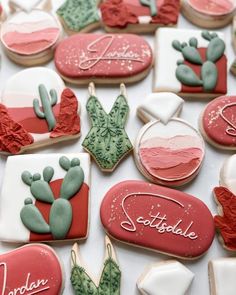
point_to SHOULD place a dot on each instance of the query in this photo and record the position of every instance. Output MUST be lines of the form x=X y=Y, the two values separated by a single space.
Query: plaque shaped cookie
x=107 y=58
x=49 y=198
x=190 y=63
x=40 y=271
x=138 y=16
x=168 y=150
x=36 y=110
x=157 y=218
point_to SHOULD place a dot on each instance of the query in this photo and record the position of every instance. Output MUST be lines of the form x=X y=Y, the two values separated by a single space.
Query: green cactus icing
x=47 y=104
x=209 y=75
x=60 y=217
x=233 y=68
x=151 y=4
x=78 y=14
x=187 y=76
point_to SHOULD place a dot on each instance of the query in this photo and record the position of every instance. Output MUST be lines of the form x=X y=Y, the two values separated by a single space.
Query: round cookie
x=29 y=38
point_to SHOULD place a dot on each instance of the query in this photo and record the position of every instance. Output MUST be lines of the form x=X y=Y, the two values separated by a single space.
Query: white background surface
x=132 y=260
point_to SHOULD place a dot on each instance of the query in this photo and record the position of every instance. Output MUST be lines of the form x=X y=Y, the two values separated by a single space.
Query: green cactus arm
x=193 y=42
x=41 y=190
x=215 y=49
x=187 y=76
x=192 y=55
x=64 y=163
x=37 y=109
x=151 y=4
x=209 y=74
x=177 y=45
x=48 y=173
x=206 y=35
x=27 y=177
x=53 y=95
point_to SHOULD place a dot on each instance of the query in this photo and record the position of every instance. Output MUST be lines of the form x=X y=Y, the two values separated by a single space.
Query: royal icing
x=168 y=277
x=212 y=7
x=53 y=196
x=107 y=140
x=167 y=150
x=102 y=56
x=195 y=61
x=157 y=218
x=30 y=33
x=227 y=174
x=40 y=271
x=28 y=5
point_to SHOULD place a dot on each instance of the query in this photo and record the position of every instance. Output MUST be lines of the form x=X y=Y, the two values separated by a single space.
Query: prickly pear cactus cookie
x=28 y=5
x=49 y=198
x=79 y=16
x=190 y=63
x=36 y=109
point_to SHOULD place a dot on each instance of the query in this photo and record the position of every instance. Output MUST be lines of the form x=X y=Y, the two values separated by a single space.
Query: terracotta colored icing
x=102 y=56
x=219 y=121
x=157 y=218
x=40 y=271
x=212 y=7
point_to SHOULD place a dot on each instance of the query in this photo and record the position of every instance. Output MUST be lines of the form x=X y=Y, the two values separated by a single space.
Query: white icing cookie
x=228 y=174
x=165 y=278
x=28 y=5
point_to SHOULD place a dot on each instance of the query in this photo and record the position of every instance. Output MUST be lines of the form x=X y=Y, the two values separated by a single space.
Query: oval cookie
x=157 y=218
x=103 y=58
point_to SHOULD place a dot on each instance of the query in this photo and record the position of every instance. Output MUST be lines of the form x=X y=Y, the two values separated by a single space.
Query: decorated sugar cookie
x=157 y=218
x=29 y=38
x=138 y=16
x=222 y=273
x=49 y=199
x=29 y=5
x=109 y=282
x=79 y=16
x=107 y=58
x=218 y=122
x=168 y=150
x=40 y=271
x=190 y=63
x=233 y=66
x=107 y=140
x=209 y=13
x=36 y=110
x=167 y=278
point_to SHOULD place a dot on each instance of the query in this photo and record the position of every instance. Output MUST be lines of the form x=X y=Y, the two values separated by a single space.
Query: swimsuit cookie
x=168 y=150
x=48 y=195
x=31 y=269
x=138 y=16
x=218 y=122
x=209 y=14
x=79 y=16
x=222 y=274
x=165 y=278
x=157 y=218
x=107 y=140
x=109 y=282
x=107 y=58
x=29 y=5
x=190 y=63
x=36 y=110
x=29 y=38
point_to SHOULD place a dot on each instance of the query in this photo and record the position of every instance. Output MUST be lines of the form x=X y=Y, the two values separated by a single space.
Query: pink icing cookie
x=106 y=58
x=212 y=7
x=218 y=122
x=157 y=218
x=31 y=269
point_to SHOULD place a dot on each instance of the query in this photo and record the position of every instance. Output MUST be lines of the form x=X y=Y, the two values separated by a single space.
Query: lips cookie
x=29 y=5
x=157 y=218
x=190 y=63
x=106 y=59
x=40 y=271
x=218 y=122
x=139 y=16
x=29 y=38
x=167 y=150
x=49 y=198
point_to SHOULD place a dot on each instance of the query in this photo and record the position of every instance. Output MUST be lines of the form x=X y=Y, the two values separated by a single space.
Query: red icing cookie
x=103 y=58
x=218 y=122
x=157 y=218
x=32 y=269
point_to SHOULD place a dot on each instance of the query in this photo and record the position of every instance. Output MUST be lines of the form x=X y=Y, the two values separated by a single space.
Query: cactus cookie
x=52 y=198
x=196 y=63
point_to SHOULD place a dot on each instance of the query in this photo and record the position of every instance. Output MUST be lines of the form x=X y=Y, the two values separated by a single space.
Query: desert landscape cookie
x=167 y=150
x=165 y=278
x=49 y=198
x=218 y=122
x=36 y=110
x=138 y=16
x=209 y=14
x=104 y=58
x=157 y=218
x=107 y=140
x=109 y=282
x=40 y=271
x=29 y=5
x=29 y=38
x=79 y=16
x=190 y=63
